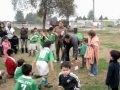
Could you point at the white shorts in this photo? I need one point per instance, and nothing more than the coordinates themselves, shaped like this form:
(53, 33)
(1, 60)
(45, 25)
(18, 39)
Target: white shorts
(42, 68)
(52, 47)
(32, 46)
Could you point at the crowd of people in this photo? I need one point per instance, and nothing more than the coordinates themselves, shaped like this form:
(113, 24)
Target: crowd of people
(45, 47)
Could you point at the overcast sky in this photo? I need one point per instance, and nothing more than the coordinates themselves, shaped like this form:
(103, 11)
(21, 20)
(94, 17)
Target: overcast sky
(109, 8)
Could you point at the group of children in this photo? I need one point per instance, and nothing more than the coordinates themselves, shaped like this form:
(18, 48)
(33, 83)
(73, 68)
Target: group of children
(44, 60)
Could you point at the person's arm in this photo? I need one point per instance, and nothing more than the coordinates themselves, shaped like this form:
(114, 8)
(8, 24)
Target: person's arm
(109, 74)
(17, 86)
(35, 87)
(75, 48)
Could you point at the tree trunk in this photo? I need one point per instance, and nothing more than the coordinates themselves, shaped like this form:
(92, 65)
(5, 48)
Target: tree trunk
(67, 19)
(44, 19)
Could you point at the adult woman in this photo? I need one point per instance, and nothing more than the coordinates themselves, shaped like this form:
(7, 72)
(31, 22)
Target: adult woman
(92, 53)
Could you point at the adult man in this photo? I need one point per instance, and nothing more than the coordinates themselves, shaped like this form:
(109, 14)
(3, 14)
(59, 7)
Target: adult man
(70, 41)
(59, 31)
(24, 37)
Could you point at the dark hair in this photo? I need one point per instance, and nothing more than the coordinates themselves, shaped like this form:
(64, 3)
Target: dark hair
(67, 36)
(32, 31)
(115, 54)
(85, 40)
(75, 30)
(66, 64)
(91, 33)
(26, 69)
(5, 37)
(10, 51)
(47, 43)
(50, 29)
(20, 62)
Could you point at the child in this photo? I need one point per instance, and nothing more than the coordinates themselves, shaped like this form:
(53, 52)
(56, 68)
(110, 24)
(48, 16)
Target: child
(67, 79)
(2, 77)
(112, 79)
(33, 42)
(25, 82)
(51, 37)
(18, 70)
(83, 51)
(10, 63)
(15, 43)
(6, 45)
(44, 58)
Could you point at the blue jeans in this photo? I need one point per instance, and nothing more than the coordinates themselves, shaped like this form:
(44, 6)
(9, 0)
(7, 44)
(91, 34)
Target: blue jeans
(93, 69)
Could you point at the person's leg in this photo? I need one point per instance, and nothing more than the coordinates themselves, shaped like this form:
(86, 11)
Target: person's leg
(26, 49)
(22, 45)
(57, 51)
(0, 51)
(94, 68)
(66, 54)
(82, 61)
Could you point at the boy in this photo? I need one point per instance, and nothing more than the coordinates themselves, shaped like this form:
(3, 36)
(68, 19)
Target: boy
(10, 63)
(51, 37)
(25, 82)
(18, 70)
(44, 58)
(113, 77)
(67, 79)
(83, 51)
(33, 42)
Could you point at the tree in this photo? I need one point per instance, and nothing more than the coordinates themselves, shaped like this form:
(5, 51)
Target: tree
(106, 18)
(101, 17)
(66, 8)
(19, 17)
(91, 15)
(84, 18)
(45, 7)
(32, 18)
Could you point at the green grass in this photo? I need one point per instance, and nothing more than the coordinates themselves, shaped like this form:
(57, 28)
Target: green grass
(111, 45)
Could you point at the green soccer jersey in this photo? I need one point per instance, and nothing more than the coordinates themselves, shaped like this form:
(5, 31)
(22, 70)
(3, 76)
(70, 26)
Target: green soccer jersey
(45, 55)
(51, 37)
(79, 36)
(83, 49)
(25, 83)
(42, 41)
(33, 38)
(37, 33)
(18, 72)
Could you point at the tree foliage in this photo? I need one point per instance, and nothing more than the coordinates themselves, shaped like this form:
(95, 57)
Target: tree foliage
(19, 17)
(90, 15)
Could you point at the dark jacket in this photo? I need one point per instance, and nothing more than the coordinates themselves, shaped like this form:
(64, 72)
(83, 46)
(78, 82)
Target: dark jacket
(112, 79)
(24, 33)
(73, 43)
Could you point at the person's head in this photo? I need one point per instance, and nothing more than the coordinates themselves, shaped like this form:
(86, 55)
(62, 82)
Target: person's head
(67, 38)
(20, 62)
(91, 33)
(61, 24)
(9, 25)
(66, 68)
(35, 29)
(85, 40)
(32, 31)
(5, 38)
(75, 30)
(47, 43)
(115, 54)
(10, 52)
(26, 69)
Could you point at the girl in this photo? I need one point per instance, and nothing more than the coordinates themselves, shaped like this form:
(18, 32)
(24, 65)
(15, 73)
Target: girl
(6, 45)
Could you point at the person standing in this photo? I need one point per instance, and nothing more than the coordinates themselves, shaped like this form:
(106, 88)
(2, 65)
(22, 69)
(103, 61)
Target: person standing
(92, 53)
(24, 38)
(59, 37)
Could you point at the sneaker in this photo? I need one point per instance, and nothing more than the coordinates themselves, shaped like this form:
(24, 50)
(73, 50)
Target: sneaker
(90, 74)
(48, 85)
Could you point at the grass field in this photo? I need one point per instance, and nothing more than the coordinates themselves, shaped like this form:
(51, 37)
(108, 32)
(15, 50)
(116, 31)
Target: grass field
(109, 39)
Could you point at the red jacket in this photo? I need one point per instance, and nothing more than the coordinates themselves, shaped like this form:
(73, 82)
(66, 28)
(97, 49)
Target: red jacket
(10, 65)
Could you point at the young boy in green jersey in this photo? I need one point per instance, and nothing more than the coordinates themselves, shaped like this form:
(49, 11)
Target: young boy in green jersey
(25, 82)
(33, 42)
(18, 70)
(51, 37)
(43, 60)
(83, 51)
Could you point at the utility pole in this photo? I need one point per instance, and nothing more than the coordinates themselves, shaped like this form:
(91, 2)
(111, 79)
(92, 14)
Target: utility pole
(93, 10)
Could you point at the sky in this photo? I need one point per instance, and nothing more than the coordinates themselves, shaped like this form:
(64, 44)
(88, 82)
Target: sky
(109, 8)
